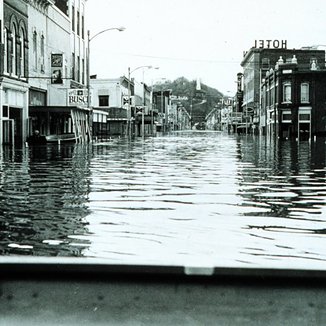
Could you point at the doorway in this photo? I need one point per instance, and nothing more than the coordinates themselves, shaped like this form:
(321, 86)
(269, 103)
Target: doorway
(8, 132)
(16, 114)
(304, 131)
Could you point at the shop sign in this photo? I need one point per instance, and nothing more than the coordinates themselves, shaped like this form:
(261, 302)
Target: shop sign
(78, 97)
(179, 98)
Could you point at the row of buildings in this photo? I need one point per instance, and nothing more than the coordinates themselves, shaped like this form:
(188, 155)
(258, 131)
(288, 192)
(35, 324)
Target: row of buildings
(43, 56)
(44, 80)
(281, 93)
(134, 108)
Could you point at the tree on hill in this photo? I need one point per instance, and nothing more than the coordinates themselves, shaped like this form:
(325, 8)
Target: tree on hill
(198, 104)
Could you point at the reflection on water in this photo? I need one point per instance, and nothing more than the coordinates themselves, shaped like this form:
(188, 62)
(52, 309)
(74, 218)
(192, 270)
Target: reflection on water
(43, 200)
(184, 198)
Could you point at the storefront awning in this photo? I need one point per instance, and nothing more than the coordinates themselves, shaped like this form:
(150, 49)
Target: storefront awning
(56, 109)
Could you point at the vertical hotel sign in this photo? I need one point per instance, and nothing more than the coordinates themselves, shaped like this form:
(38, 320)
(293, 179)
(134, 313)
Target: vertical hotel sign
(56, 68)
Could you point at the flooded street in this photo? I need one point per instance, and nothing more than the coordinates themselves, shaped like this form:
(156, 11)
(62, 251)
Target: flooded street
(193, 198)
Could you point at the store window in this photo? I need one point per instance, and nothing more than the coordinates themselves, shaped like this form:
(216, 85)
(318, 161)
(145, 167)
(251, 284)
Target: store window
(286, 116)
(304, 117)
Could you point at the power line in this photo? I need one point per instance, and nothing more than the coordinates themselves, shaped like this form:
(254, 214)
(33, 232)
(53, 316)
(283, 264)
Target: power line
(178, 58)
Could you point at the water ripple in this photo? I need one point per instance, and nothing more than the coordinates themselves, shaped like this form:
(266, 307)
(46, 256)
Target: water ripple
(182, 198)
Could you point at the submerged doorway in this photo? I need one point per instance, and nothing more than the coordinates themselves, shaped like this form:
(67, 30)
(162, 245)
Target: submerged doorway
(16, 114)
(304, 131)
(304, 124)
(8, 132)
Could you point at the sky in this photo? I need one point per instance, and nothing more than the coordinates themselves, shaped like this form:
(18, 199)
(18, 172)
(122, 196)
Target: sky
(194, 39)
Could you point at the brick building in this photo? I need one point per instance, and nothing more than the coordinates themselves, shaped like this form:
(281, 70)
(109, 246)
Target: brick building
(293, 98)
(259, 61)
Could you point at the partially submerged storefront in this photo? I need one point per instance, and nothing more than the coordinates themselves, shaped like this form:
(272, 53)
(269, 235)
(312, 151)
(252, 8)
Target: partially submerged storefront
(14, 112)
(61, 123)
(73, 122)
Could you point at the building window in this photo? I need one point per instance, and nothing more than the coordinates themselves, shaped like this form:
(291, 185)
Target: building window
(14, 52)
(22, 53)
(19, 55)
(42, 53)
(37, 98)
(304, 94)
(78, 23)
(83, 27)
(35, 49)
(265, 63)
(83, 71)
(286, 116)
(5, 54)
(73, 66)
(287, 92)
(272, 96)
(304, 117)
(78, 68)
(103, 100)
(73, 18)
(42, 46)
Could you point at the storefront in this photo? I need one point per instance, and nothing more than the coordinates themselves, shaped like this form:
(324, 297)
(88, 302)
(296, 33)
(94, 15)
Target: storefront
(14, 112)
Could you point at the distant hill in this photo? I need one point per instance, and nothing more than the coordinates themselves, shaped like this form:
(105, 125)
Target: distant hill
(198, 104)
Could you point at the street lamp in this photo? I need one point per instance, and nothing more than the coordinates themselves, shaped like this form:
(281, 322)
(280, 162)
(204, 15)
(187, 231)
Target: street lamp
(89, 39)
(129, 97)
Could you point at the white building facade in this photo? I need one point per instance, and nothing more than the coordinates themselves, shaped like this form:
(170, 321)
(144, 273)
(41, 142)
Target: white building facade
(58, 99)
(112, 96)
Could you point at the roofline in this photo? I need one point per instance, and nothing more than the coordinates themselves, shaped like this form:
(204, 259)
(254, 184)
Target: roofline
(249, 53)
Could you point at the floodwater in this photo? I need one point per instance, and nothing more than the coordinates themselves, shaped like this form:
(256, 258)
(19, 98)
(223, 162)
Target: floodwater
(186, 198)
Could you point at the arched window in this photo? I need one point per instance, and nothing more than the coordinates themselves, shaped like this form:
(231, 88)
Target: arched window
(35, 49)
(42, 46)
(18, 54)
(42, 52)
(22, 53)
(5, 54)
(14, 51)
(304, 93)
(287, 92)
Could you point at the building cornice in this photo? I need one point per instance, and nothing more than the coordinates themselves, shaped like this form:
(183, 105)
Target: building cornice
(41, 5)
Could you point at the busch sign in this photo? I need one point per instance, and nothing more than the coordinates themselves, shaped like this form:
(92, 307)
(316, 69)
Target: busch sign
(77, 97)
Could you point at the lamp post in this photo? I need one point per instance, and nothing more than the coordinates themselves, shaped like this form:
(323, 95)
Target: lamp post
(89, 39)
(129, 98)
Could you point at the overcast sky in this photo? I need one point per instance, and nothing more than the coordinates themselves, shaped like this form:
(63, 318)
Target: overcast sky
(195, 38)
